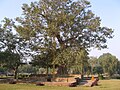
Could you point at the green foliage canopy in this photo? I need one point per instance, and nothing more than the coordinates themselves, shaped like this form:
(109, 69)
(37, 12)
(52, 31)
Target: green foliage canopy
(62, 23)
(109, 63)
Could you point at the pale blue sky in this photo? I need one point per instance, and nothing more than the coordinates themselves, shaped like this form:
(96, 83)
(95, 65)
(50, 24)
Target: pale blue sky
(108, 10)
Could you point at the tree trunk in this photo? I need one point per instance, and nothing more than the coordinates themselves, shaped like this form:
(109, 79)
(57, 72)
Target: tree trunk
(53, 72)
(16, 72)
(62, 70)
(82, 75)
(47, 70)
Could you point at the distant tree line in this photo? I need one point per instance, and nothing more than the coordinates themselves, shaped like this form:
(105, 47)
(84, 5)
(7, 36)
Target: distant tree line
(105, 64)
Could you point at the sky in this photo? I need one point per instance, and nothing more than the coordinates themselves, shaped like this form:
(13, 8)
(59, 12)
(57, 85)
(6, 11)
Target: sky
(107, 10)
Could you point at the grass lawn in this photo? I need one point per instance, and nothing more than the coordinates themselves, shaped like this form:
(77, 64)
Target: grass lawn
(103, 85)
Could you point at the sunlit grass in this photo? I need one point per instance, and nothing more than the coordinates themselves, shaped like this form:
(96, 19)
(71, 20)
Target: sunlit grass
(103, 85)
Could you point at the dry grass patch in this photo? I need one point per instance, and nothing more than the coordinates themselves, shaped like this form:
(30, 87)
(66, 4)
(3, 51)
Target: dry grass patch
(103, 85)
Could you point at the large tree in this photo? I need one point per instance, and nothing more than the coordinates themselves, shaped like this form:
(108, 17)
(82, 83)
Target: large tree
(65, 23)
(61, 24)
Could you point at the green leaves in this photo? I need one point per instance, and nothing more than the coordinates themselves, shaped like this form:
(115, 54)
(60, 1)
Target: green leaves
(9, 60)
(67, 19)
(58, 26)
(107, 60)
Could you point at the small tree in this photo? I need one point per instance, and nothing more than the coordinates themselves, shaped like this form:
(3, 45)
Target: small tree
(93, 61)
(13, 47)
(11, 61)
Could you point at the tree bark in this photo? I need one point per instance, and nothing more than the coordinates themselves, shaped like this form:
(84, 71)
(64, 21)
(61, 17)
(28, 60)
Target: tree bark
(53, 72)
(16, 72)
(47, 70)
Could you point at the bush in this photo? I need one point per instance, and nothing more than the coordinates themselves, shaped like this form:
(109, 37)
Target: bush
(22, 76)
(115, 77)
(13, 81)
(101, 77)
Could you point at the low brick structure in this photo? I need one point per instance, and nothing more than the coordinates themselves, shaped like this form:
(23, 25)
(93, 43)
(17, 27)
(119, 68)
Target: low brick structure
(59, 84)
(40, 84)
(60, 81)
(13, 81)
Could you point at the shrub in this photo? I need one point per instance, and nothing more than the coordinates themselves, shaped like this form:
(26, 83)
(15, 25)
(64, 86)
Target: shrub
(101, 77)
(13, 81)
(115, 77)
